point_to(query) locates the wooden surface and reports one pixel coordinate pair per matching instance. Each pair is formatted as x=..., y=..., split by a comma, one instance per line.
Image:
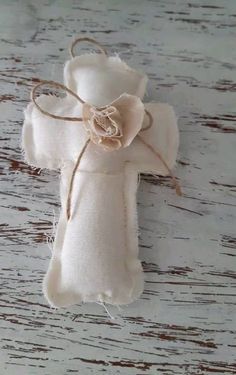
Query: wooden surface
x=185, y=322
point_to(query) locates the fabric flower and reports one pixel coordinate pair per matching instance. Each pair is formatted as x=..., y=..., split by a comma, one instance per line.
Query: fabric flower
x=115, y=125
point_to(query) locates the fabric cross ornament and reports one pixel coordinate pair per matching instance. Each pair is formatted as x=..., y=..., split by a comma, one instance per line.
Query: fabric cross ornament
x=95, y=252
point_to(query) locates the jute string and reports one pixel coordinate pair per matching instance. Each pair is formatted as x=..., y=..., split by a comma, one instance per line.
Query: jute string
x=81, y=119
x=90, y=40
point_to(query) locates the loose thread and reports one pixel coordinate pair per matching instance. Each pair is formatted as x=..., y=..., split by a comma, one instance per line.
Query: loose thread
x=106, y=309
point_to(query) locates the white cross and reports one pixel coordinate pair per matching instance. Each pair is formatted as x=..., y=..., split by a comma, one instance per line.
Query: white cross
x=95, y=254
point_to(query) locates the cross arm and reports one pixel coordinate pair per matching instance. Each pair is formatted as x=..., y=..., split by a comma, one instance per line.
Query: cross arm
x=48, y=142
x=163, y=137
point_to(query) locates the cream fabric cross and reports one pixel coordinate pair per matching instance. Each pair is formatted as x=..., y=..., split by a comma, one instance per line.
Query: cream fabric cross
x=95, y=253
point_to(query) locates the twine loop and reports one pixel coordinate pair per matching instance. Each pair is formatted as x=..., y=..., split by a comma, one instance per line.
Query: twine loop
x=89, y=40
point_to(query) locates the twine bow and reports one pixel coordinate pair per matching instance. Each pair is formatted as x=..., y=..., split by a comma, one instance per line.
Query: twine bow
x=104, y=125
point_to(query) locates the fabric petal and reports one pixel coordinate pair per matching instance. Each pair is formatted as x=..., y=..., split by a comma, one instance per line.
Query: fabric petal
x=131, y=109
x=110, y=144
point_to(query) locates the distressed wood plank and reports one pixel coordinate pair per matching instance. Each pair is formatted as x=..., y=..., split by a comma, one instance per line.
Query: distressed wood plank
x=185, y=321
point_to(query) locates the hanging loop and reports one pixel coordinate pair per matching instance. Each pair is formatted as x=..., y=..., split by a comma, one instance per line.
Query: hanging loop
x=89, y=40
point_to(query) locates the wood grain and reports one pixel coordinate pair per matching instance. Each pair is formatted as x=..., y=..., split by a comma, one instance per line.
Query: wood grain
x=185, y=321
